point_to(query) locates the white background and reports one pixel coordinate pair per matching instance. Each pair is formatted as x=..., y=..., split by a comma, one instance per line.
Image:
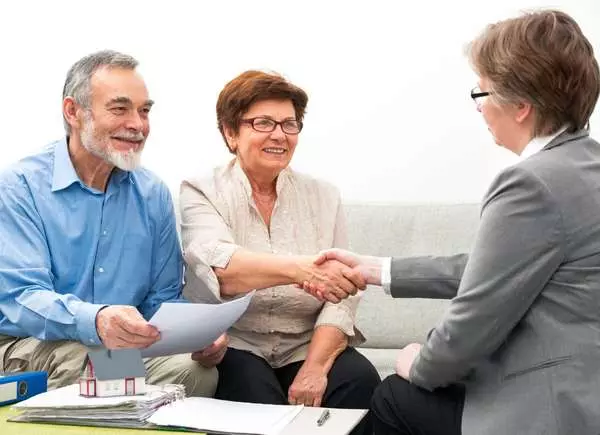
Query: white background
x=389, y=115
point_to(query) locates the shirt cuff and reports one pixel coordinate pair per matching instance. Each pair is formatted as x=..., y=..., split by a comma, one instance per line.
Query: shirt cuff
x=386, y=274
x=86, y=324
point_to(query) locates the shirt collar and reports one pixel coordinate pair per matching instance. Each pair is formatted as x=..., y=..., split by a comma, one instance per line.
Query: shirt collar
x=63, y=174
x=538, y=143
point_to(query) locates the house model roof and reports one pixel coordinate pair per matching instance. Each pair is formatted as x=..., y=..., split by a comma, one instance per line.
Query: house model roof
x=117, y=364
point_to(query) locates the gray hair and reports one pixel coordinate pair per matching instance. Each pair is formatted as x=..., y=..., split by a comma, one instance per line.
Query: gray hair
x=77, y=84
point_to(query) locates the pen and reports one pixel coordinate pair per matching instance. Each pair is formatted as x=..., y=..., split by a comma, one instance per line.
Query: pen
x=323, y=418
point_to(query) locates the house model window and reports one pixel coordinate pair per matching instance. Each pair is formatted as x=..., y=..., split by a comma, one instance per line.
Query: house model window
x=113, y=373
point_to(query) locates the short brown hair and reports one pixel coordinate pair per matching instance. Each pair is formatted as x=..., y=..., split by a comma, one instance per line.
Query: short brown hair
x=250, y=87
x=543, y=58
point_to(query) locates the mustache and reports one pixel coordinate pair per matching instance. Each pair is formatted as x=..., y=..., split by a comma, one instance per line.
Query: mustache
x=130, y=136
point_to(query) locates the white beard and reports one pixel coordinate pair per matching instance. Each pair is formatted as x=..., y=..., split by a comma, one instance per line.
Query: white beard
x=125, y=160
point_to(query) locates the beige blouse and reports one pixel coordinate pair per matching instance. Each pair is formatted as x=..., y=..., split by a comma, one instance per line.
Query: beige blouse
x=218, y=215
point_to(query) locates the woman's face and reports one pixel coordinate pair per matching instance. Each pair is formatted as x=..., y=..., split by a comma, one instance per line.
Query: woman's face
x=266, y=152
x=506, y=122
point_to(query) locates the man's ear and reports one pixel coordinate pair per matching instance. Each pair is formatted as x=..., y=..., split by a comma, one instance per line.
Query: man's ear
x=523, y=111
x=70, y=109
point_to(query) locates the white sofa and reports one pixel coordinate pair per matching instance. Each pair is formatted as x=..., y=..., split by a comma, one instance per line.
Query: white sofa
x=404, y=230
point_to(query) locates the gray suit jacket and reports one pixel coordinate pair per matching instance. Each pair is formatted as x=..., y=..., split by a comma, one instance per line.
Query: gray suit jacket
x=522, y=331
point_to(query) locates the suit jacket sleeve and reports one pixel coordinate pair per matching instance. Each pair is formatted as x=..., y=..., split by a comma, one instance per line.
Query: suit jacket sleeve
x=427, y=277
x=518, y=247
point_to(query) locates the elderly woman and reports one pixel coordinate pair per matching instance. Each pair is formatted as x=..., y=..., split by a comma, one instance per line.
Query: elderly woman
x=257, y=224
x=518, y=351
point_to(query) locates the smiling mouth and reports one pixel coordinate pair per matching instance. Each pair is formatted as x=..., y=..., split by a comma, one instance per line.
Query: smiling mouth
x=132, y=142
x=275, y=150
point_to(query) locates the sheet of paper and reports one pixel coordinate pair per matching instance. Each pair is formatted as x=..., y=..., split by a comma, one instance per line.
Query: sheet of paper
x=215, y=415
x=186, y=328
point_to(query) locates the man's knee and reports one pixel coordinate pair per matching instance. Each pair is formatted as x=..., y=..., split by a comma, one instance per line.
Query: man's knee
x=181, y=369
x=62, y=360
x=200, y=381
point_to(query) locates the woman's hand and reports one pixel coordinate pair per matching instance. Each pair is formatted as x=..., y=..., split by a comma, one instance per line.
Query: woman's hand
x=309, y=386
x=332, y=280
x=406, y=358
x=213, y=354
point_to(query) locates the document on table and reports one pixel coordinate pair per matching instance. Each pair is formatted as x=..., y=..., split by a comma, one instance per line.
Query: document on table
x=213, y=415
x=188, y=327
x=66, y=405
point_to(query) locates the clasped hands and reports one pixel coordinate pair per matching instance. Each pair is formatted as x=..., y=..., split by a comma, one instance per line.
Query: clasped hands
x=336, y=274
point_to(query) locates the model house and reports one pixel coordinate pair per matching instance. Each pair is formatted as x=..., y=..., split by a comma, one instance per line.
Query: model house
x=113, y=373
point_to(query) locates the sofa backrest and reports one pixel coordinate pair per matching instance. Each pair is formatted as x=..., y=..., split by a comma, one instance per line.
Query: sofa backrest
x=399, y=229
x=405, y=230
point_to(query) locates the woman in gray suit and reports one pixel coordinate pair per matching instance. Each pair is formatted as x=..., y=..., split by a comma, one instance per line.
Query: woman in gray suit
x=518, y=351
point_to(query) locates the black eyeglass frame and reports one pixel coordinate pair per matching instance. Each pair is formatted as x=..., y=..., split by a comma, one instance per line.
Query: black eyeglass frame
x=250, y=121
x=476, y=95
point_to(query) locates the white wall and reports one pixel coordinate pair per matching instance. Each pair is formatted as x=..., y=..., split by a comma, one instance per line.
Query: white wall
x=389, y=116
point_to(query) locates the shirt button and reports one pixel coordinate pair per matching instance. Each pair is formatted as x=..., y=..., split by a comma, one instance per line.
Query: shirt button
x=101, y=269
x=104, y=233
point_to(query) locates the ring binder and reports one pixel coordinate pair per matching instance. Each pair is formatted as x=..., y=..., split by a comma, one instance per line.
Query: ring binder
x=15, y=387
x=66, y=406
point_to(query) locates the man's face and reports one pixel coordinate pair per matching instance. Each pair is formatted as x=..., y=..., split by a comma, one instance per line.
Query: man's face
x=116, y=125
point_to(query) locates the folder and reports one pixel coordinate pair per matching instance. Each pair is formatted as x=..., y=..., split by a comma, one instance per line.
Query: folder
x=15, y=387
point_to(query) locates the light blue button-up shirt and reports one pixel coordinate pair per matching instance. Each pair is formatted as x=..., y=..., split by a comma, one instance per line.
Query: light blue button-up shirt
x=67, y=250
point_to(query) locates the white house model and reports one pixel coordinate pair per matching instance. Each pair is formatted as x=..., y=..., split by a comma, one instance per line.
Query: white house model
x=113, y=373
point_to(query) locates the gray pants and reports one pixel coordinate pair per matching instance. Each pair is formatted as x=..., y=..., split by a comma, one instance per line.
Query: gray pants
x=63, y=361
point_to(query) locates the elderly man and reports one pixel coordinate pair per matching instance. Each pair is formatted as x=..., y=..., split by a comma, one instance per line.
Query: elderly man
x=89, y=248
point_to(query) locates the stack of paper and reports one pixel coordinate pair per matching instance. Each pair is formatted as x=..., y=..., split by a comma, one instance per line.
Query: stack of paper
x=66, y=406
x=159, y=407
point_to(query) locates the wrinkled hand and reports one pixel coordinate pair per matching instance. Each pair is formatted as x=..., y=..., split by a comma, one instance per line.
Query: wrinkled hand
x=213, y=354
x=405, y=359
x=331, y=280
x=308, y=386
x=361, y=269
x=123, y=327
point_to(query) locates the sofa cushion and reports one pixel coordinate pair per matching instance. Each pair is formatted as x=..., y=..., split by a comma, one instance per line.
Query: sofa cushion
x=405, y=230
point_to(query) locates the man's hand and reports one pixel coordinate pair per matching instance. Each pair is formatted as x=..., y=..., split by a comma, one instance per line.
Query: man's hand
x=123, y=327
x=213, y=354
x=405, y=360
x=369, y=267
x=308, y=386
x=332, y=280
x=361, y=269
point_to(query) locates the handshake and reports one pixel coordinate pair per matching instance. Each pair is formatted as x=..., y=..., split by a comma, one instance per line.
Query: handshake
x=336, y=274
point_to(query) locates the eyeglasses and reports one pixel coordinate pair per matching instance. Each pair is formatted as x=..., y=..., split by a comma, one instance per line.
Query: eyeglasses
x=267, y=125
x=476, y=93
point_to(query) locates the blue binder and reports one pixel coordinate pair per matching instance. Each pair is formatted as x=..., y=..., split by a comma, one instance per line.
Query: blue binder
x=15, y=387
